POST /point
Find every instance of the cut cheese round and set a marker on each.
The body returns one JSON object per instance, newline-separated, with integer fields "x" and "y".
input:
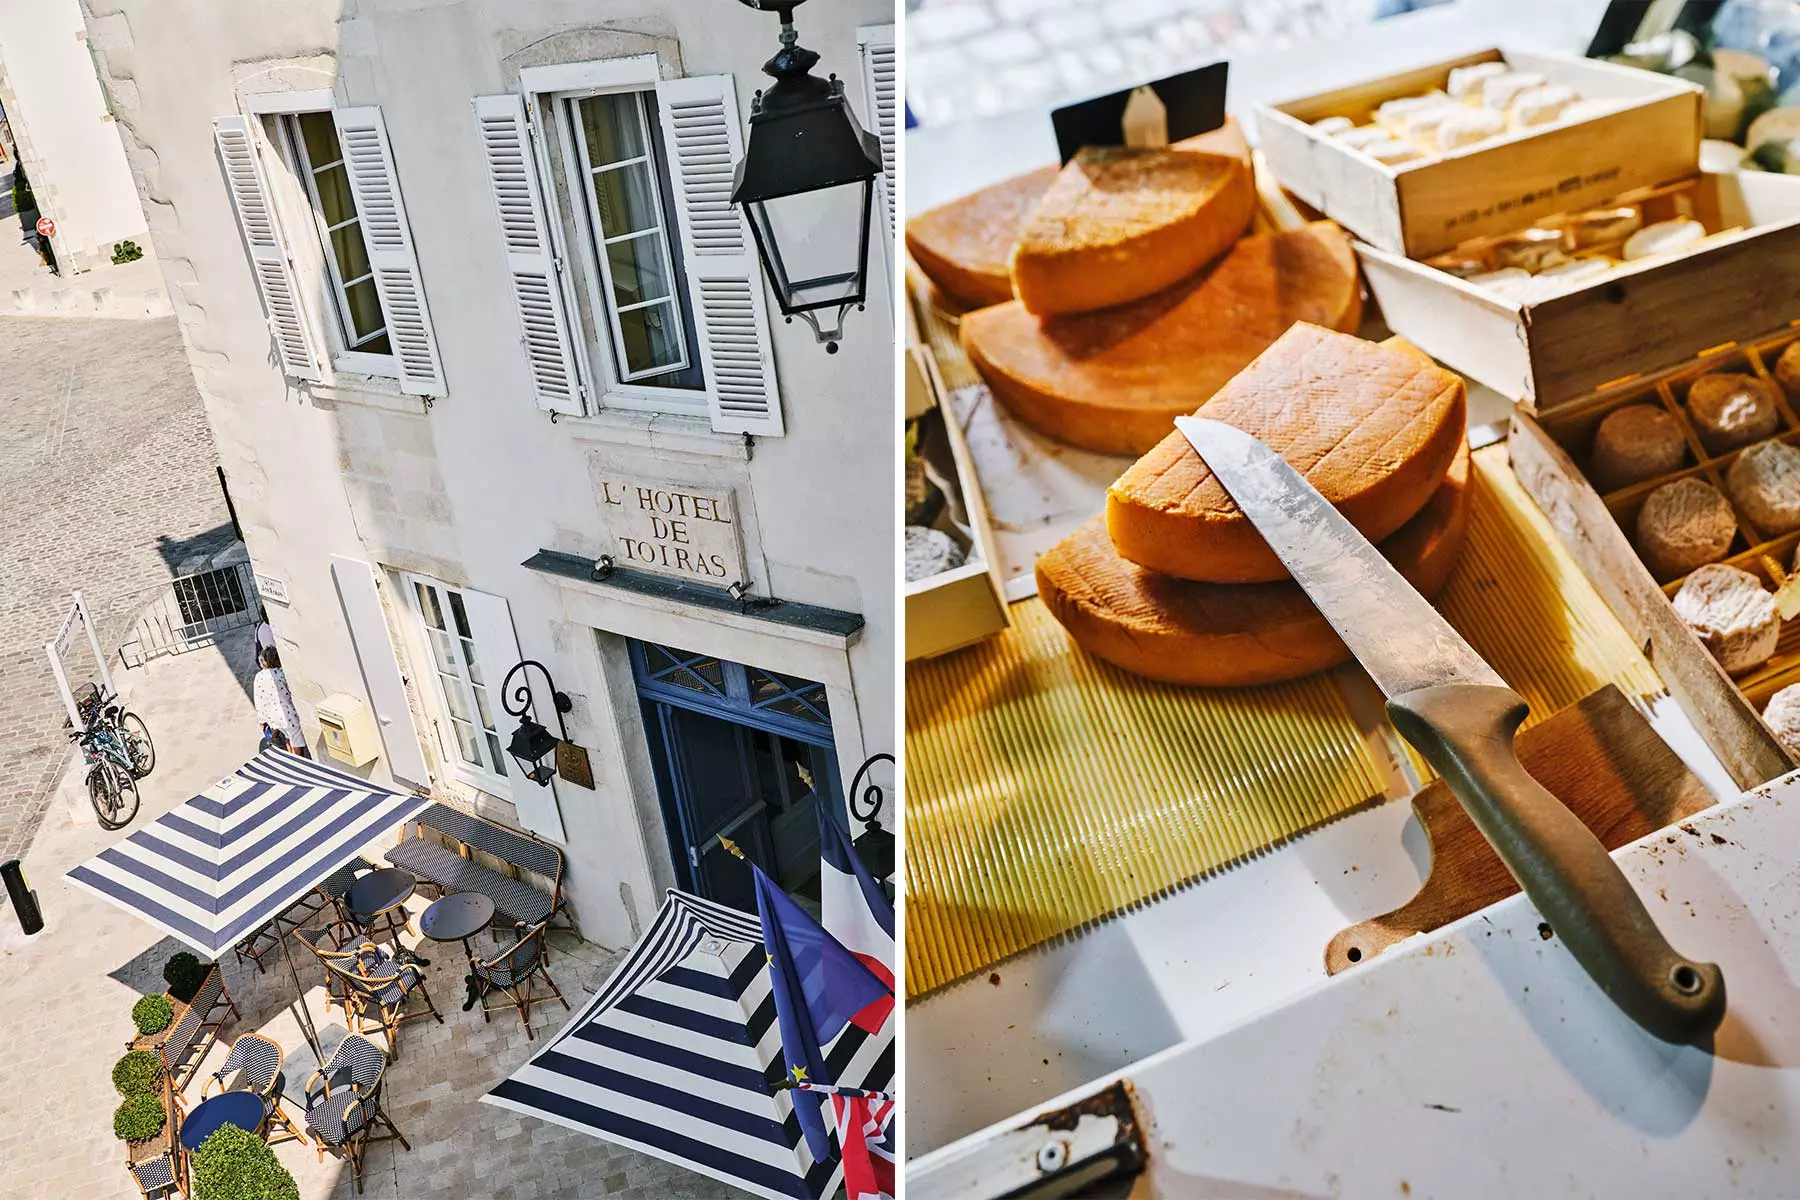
{"x": 1121, "y": 223}
{"x": 1222, "y": 635}
{"x": 1373, "y": 428}
{"x": 1684, "y": 525}
{"x": 1731, "y": 410}
{"x": 1732, "y": 614}
{"x": 963, "y": 246}
{"x": 1115, "y": 381}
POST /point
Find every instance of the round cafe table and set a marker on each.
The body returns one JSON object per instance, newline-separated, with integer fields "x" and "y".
{"x": 377, "y": 897}
{"x": 457, "y": 918}
{"x": 242, "y": 1109}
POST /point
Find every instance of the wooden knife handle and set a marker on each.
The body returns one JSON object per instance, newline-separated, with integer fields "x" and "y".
{"x": 1465, "y": 731}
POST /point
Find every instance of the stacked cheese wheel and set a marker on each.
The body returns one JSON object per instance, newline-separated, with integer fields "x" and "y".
{"x": 1117, "y": 293}
{"x": 1174, "y": 583}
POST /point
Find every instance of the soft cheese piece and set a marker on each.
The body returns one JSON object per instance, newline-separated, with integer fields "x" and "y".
{"x": 1664, "y": 237}
{"x": 1587, "y": 110}
{"x": 930, "y": 552}
{"x": 1541, "y": 105}
{"x": 1392, "y": 151}
{"x": 1115, "y": 381}
{"x": 1392, "y": 114}
{"x": 1499, "y": 92}
{"x": 1601, "y": 226}
{"x": 1469, "y": 127}
{"x": 1363, "y": 136}
{"x": 1532, "y": 249}
{"x": 1782, "y": 716}
{"x": 1787, "y": 370}
{"x": 1683, "y": 525}
{"x": 1374, "y": 428}
{"x": 1568, "y": 276}
{"x": 1421, "y": 128}
{"x": 1512, "y": 282}
{"x": 1635, "y": 443}
{"x": 1731, "y": 410}
{"x": 1226, "y": 635}
{"x": 1119, "y": 224}
{"x": 1331, "y": 126}
{"x": 1732, "y": 614}
{"x": 1765, "y": 483}
{"x": 1466, "y": 82}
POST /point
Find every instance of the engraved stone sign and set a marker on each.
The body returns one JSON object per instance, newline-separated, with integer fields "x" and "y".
{"x": 673, "y": 529}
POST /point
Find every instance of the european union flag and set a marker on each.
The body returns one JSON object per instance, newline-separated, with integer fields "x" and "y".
{"x": 819, "y": 986}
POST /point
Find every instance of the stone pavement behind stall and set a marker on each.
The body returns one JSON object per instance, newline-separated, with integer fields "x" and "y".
{"x": 66, "y": 995}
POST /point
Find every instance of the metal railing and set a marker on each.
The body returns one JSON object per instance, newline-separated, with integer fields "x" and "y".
{"x": 189, "y": 612}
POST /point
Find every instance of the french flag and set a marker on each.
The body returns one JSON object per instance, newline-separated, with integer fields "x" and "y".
{"x": 855, "y": 911}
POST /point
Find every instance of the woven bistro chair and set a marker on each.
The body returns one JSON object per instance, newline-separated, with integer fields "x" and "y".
{"x": 159, "y": 1176}
{"x": 259, "y": 1060}
{"x": 328, "y": 897}
{"x": 343, "y": 1103}
{"x": 514, "y": 973}
{"x": 376, "y": 988}
{"x": 324, "y": 944}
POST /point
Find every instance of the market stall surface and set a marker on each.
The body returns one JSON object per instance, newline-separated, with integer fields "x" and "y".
{"x": 68, "y": 992}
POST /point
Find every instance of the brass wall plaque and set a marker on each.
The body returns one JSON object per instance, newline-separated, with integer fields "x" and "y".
{"x": 572, "y": 764}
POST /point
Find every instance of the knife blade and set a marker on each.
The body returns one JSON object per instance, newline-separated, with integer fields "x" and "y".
{"x": 1460, "y": 715}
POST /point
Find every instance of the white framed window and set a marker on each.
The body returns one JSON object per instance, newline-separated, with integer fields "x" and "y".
{"x": 470, "y": 735}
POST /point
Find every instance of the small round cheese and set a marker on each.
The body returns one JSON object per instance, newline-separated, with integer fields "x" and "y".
{"x": 1332, "y": 126}
{"x": 1391, "y": 151}
{"x": 1468, "y": 128}
{"x": 1499, "y": 92}
{"x": 1635, "y": 443}
{"x": 1466, "y": 82}
{"x": 1664, "y": 237}
{"x": 1541, "y": 105}
{"x": 1732, "y": 614}
{"x": 1782, "y": 716}
{"x": 1683, "y": 525}
{"x": 1731, "y": 410}
{"x": 1787, "y": 370}
{"x": 1765, "y": 483}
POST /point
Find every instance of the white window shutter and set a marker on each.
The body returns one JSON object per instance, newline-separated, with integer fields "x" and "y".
{"x": 703, "y": 140}
{"x": 531, "y": 263}
{"x": 497, "y": 650}
{"x": 268, "y": 253}
{"x": 380, "y": 668}
{"x": 875, "y": 43}
{"x": 370, "y": 164}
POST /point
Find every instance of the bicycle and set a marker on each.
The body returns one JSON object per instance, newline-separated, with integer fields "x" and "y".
{"x": 97, "y": 710}
{"x": 111, "y": 780}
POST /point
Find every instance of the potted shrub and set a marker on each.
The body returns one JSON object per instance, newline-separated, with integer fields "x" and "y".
{"x": 139, "y": 1119}
{"x": 152, "y": 1014}
{"x": 235, "y": 1165}
{"x": 137, "y": 1073}
{"x": 184, "y": 973}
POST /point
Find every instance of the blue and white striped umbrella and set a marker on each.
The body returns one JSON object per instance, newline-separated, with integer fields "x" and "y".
{"x": 215, "y": 869}
{"x": 677, "y": 1054}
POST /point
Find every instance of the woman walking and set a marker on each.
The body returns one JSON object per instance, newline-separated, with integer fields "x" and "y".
{"x": 275, "y": 704}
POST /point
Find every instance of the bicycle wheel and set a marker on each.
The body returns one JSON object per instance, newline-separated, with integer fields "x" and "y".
{"x": 105, "y": 793}
{"x": 138, "y": 744}
{"x": 128, "y": 797}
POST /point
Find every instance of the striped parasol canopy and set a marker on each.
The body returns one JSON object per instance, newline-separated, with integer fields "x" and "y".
{"x": 677, "y": 1054}
{"x": 215, "y": 869}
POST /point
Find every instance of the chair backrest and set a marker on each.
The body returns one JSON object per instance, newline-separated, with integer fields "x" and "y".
{"x": 258, "y": 1057}
{"x": 517, "y": 959}
{"x": 313, "y": 940}
{"x": 339, "y": 881}
{"x": 366, "y": 1060}
{"x": 490, "y": 838}
{"x": 154, "y": 1175}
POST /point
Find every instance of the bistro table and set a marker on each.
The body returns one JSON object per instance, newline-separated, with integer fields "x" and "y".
{"x": 457, "y": 917}
{"x": 242, "y": 1109}
{"x": 378, "y": 896}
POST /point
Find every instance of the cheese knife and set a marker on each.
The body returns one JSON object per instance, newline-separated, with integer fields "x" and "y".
{"x": 1460, "y": 716}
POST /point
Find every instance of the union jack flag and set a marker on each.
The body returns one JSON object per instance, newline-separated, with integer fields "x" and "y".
{"x": 865, "y": 1129}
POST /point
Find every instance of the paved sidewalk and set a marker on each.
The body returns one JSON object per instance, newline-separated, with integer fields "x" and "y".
{"x": 67, "y": 993}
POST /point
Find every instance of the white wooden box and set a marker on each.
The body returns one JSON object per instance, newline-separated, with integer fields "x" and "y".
{"x": 1421, "y": 207}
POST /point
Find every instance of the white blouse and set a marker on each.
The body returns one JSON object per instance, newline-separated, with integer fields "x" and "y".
{"x": 275, "y": 705}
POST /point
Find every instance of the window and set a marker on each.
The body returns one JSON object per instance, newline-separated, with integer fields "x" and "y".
{"x": 320, "y": 163}
{"x": 462, "y": 685}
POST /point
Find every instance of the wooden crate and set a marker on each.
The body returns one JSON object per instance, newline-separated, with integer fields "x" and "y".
{"x": 961, "y": 606}
{"x": 1421, "y": 207}
{"x": 1548, "y": 452}
{"x": 1548, "y": 353}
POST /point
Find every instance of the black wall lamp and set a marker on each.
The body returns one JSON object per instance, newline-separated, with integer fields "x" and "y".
{"x": 533, "y": 746}
{"x": 874, "y": 845}
{"x": 807, "y": 184}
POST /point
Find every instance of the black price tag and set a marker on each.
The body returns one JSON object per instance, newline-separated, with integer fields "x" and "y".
{"x": 1195, "y": 101}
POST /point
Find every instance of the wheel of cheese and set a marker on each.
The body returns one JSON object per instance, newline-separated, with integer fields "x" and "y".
{"x": 1226, "y": 635}
{"x": 1731, "y": 410}
{"x": 1115, "y": 381}
{"x": 1373, "y": 428}
{"x": 963, "y": 246}
{"x": 1683, "y": 525}
{"x": 1121, "y": 223}
{"x": 1635, "y": 443}
{"x": 1765, "y": 484}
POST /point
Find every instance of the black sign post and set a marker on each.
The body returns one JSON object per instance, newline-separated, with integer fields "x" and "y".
{"x": 24, "y": 900}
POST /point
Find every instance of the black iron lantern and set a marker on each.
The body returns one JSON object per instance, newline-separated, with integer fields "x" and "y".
{"x": 807, "y": 184}
{"x": 533, "y": 746}
{"x": 874, "y": 845}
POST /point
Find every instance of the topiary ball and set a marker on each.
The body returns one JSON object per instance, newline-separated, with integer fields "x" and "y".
{"x": 136, "y": 1073}
{"x": 152, "y": 1014}
{"x": 140, "y": 1118}
{"x": 184, "y": 974}
{"x": 235, "y": 1165}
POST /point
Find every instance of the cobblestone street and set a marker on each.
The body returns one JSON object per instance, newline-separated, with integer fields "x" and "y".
{"x": 67, "y": 994}
{"x": 107, "y": 484}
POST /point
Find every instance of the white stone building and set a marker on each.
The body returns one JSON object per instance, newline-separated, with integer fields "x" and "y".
{"x": 469, "y": 312}
{"x": 64, "y": 133}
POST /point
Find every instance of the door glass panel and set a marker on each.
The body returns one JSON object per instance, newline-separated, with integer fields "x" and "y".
{"x": 336, "y": 204}
{"x": 640, "y": 269}
{"x": 428, "y": 604}
{"x": 481, "y": 707}
{"x": 462, "y": 618}
{"x": 613, "y": 127}
{"x": 319, "y": 131}
{"x": 466, "y": 744}
{"x": 626, "y": 198}
{"x": 652, "y": 336}
{"x": 498, "y": 766}
{"x": 468, "y": 645}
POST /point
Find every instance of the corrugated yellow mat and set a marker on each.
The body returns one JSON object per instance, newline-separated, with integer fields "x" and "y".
{"x": 1047, "y": 790}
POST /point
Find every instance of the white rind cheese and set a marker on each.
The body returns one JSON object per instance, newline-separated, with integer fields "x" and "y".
{"x": 1683, "y": 525}
{"x": 1765, "y": 483}
{"x": 1732, "y": 614}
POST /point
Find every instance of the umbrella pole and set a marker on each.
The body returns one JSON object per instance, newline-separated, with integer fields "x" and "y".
{"x": 306, "y": 1025}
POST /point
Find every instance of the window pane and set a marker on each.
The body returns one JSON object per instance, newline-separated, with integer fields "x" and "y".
{"x": 467, "y": 744}
{"x": 498, "y": 758}
{"x": 612, "y": 127}
{"x": 351, "y": 254}
{"x": 319, "y": 133}
{"x": 482, "y": 710}
{"x": 626, "y": 197}
{"x": 365, "y": 311}
{"x": 468, "y": 645}
{"x": 652, "y": 337}
{"x": 640, "y": 270}
{"x": 335, "y": 201}
{"x": 462, "y": 618}
{"x": 428, "y": 604}
{"x": 440, "y": 650}
{"x": 456, "y": 700}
